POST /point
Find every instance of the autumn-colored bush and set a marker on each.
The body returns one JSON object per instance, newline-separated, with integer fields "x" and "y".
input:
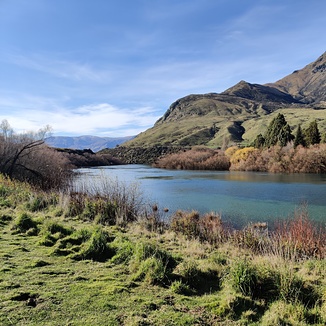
{"x": 198, "y": 158}
{"x": 278, "y": 159}
{"x": 299, "y": 237}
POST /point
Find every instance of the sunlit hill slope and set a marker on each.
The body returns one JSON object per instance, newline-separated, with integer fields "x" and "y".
{"x": 241, "y": 112}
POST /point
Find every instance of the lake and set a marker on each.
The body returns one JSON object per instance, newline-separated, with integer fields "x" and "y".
{"x": 240, "y": 197}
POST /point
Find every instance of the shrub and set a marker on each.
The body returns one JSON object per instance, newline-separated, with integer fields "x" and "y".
{"x": 211, "y": 229}
{"x": 185, "y": 223}
{"x": 198, "y": 158}
{"x": 299, "y": 237}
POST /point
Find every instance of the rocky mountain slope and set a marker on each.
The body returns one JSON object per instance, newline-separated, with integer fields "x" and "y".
{"x": 241, "y": 112}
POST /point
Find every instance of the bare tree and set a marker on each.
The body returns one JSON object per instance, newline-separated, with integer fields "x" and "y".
{"x": 26, "y": 157}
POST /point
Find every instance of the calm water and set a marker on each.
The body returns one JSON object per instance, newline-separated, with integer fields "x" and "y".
{"x": 238, "y": 196}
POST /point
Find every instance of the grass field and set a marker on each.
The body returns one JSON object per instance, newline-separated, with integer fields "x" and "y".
{"x": 60, "y": 268}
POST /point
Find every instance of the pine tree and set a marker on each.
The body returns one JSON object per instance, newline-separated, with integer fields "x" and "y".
{"x": 259, "y": 141}
{"x": 278, "y": 132}
{"x": 323, "y": 138}
{"x": 299, "y": 138}
{"x": 285, "y": 136}
{"x": 312, "y": 134}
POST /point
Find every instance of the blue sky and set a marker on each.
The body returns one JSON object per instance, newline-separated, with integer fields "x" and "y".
{"x": 113, "y": 67}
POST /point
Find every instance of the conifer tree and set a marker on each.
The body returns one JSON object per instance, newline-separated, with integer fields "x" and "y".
{"x": 299, "y": 138}
{"x": 259, "y": 141}
{"x": 278, "y": 132}
{"x": 323, "y": 138}
{"x": 312, "y": 134}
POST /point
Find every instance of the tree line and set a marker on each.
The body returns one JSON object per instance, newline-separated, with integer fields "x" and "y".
{"x": 279, "y": 133}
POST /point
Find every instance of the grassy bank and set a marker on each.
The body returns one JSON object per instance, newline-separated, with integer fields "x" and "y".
{"x": 81, "y": 259}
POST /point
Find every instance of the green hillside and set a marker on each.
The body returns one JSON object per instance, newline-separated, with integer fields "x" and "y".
{"x": 240, "y": 113}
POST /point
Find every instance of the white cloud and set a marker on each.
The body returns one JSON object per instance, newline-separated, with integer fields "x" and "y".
{"x": 96, "y": 119}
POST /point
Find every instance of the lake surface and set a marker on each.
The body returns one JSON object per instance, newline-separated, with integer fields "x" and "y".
{"x": 239, "y": 197}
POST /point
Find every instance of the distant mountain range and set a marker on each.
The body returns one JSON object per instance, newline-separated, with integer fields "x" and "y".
{"x": 86, "y": 142}
{"x": 241, "y": 112}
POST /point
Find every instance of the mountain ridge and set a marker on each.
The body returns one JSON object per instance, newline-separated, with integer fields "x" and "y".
{"x": 242, "y": 111}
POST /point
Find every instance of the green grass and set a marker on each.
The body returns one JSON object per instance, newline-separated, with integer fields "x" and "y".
{"x": 61, "y": 270}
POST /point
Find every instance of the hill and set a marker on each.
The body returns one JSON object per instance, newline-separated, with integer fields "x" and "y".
{"x": 241, "y": 112}
{"x": 86, "y": 142}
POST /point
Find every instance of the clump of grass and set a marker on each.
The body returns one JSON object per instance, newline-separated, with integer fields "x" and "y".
{"x": 282, "y": 313}
{"x": 52, "y": 231}
{"x": 108, "y": 201}
{"x": 25, "y": 224}
{"x": 212, "y": 229}
{"x": 254, "y": 237}
{"x": 5, "y": 218}
{"x": 124, "y": 250}
{"x": 96, "y": 247}
{"x": 207, "y": 228}
{"x": 70, "y": 244}
{"x": 40, "y": 201}
{"x": 243, "y": 277}
{"x": 179, "y": 287}
{"x": 152, "y": 264}
{"x": 189, "y": 271}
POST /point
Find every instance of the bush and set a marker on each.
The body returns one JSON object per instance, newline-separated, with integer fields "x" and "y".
{"x": 185, "y": 223}
{"x": 299, "y": 237}
{"x": 198, "y": 158}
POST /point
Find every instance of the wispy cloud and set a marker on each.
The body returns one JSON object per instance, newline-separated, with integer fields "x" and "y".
{"x": 72, "y": 70}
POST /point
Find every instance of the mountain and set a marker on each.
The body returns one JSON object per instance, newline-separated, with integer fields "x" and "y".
{"x": 86, "y": 142}
{"x": 241, "y": 112}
